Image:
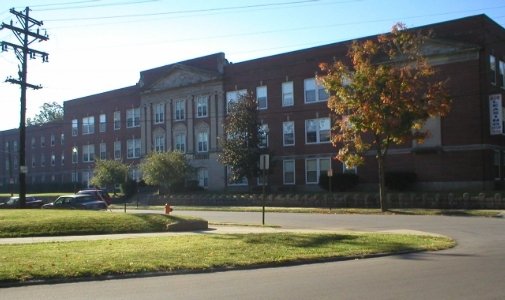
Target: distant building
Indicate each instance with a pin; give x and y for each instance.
(182, 106)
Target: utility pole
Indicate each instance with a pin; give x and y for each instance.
(25, 37)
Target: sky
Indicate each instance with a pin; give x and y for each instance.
(99, 45)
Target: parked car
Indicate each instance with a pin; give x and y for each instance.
(99, 193)
(81, 201)
(31, 202)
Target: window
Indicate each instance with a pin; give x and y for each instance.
(317, 131)
(288, 133)
(75, 127)
(42, 160)
(261, 97)
(234, 181)
(53, 159)
(203, 177)
(349, 170)
(62, 158)
(117, 150)
(159, 113)
(234, 96)
(34, 143)
(287, 93)
(501, 76)
(288, 171)
(133, 117)
(263, 136)
(313, 91)
(42, 141)
(62, 139)
(75, 156)
(203, 141)
(88, 153)
(159, 143)
(88, 125)
(492, 69)
(117, 120)
(314, 167)
(103, 123)
(53, 140)
(202, 103)
(180, 142)
(179, 110)
(33, 161)
(133, 148)
(103, 151)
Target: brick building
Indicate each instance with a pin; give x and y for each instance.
(182, 106)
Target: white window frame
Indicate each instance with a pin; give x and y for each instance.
(203, 177)
(233, 96)
(117, 150)
(288, 126)
(133, 117)
(159, 143)
(75, 127)
(117, 120)
(492, 69)
(262, 97)
(320, 168)
(88, 153)
(180, 110)
(103, 123)
(317, 124)
(203, 141)
(88, 125)
(133, 148)
(288, 98)
(180, 142)
(285, 171)
(103, 151)
(311, 85)
(202, 106)
(159, 113)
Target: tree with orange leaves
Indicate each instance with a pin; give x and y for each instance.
(383, 98)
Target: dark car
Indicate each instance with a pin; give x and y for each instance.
(31, 202)
(82, 201)
(99, 193)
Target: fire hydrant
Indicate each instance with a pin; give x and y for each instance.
(168, 209)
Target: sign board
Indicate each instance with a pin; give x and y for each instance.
(264, 161)
(495, 114)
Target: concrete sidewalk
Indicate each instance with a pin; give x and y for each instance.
(213, 229)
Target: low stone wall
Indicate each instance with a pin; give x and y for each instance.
(335, 200)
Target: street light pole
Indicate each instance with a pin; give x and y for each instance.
(74, 161)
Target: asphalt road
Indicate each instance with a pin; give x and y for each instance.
(475, 269)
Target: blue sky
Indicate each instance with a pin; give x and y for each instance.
(99, 45)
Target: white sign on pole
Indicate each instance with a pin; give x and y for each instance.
(264, 161)
(495, 114)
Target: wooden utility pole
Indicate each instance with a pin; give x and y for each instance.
(25, 37)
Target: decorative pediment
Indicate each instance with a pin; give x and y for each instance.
(179, 76)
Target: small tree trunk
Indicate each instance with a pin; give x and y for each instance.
(382, 182)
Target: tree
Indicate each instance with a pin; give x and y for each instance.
(165, 169)
(384, 98)
(49, 112)
(241, 147)
(108, 173)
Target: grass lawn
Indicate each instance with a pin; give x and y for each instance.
(195, 253)
(42, 222)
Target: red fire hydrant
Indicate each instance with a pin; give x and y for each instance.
(168, 209)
